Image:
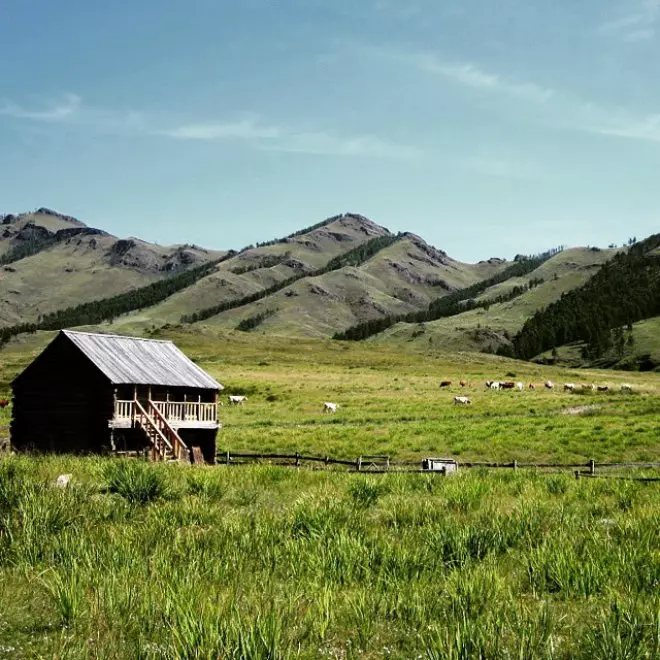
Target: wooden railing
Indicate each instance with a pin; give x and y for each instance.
(124, 409)
(178, 411)
(172, 411)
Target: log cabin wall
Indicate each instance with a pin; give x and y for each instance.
(62, 403)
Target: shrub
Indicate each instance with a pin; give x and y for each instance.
(138, 482)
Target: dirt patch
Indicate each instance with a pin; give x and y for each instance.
(580, 410)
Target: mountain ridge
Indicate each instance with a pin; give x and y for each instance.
(315, 282)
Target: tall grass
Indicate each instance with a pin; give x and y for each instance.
(323, 564)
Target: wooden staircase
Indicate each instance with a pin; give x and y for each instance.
(166, 444)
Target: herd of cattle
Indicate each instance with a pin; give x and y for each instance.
(517, 385)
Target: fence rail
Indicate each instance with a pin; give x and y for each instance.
(384, 464)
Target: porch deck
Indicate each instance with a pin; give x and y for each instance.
(179, 414)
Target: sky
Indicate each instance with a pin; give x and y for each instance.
(489, 129)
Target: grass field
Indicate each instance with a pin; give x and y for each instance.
(159, 561)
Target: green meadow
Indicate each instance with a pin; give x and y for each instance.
(138, 560)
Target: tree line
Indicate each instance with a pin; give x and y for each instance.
(625, 290)
(457, 302)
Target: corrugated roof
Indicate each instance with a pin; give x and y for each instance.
(133, 360)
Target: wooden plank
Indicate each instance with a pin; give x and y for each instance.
(198, 458)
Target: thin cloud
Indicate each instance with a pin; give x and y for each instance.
(638, 25)
(246, 129)
(470, 75)
(550, 107)
(54, 111)
(647, 129)
(326, 144)
(250, 130)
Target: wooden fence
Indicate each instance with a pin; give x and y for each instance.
(383, 464)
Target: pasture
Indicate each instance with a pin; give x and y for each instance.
(159, 561)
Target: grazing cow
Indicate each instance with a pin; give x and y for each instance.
(4, 403)
(569, 387)
(237, 399)
(489, 383)
(626, 387)
(445, 383)
(532, 386)
(603, 388)
(507, 385)
(329, 407)
(549, 385)
(462, 400)
(495, 385)
(463, 382)
(520, 387)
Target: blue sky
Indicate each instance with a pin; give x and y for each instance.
(487, 128)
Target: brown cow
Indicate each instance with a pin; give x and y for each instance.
(4, 403)
(463, 382)
(532, 386)
(507, 385)
(603, 388)
(445, 383)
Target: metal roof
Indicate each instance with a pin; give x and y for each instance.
(133, 360)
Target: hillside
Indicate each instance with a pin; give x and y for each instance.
(256, 269)
(624, 291)
(50, 261)
(487, 329)
(403, 277)
(636, 348)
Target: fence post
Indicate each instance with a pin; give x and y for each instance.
(577, 475)
(297, 459)
(515, 465)
(227, 457)
(358, 463)
(592, 466)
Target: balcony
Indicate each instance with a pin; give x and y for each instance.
(179, 414)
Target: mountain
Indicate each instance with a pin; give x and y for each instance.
(345, 276)
(404, 276)
(49, 261)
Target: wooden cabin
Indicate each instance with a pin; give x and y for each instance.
(91, 393)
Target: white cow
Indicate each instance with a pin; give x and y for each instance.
(462, 400)
(237, 399)
(549, 385)
(329, 407)
(520, 386)
(495, 385)
(626, 387)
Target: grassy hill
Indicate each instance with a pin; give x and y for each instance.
(49, 262)
(484, 329)
(258, 268)
(403, 277)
